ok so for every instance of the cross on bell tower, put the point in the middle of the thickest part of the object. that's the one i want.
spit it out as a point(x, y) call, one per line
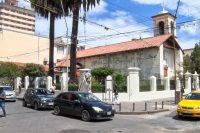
point(164, 23)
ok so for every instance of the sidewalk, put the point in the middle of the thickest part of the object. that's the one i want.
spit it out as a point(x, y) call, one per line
point(145, 107)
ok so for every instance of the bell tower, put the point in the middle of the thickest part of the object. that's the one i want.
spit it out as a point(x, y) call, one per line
point(164, 23)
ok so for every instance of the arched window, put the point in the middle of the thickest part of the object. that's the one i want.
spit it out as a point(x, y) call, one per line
point(172, 27)
point(161, 26)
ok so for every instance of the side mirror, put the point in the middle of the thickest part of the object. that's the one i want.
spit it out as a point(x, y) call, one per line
point(77, 101)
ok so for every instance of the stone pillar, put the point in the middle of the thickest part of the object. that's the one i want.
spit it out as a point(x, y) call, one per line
point(109, 89)
point(196, 80)
point(167, 83)
point(17, 85)
point(85, 83)
point(63, 81)
point(153, 83)
point(36, 82)
point(188, 87)
point(134, 83)
point(26, 82)
point(128, 87)
point(49, 82)
point(178, 84)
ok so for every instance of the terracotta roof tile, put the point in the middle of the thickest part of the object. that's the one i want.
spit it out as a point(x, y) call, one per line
point(124, 46)
point(119, 47)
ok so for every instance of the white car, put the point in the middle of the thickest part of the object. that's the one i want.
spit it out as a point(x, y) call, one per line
point(10, 93)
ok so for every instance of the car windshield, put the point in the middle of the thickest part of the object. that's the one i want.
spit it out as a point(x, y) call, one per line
point(6, 88)
point(193, 96)
point(88, 97)
point(42, 92)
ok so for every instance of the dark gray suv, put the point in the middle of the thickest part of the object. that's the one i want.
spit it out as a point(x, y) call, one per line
point(38, 98)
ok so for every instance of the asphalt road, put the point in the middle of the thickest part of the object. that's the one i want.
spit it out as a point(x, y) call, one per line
point(27, 120)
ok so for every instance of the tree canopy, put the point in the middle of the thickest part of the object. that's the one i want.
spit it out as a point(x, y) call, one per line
point(10, 71)
point(34, 70)
point(195, 58)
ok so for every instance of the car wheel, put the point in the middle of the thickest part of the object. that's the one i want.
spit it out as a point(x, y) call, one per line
point(56, 110)
point(36, 106)
point(24, 104)
point(180, 116)
point(85, 115)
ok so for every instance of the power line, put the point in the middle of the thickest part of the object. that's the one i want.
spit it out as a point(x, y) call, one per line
point(23, 54)
point(137, 14)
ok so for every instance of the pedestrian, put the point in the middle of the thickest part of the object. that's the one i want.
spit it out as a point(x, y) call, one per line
point(182, 92)
point(115, 96)
point(2, 101)
point(53, 88)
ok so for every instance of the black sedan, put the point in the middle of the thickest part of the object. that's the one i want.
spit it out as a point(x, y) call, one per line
point(82, 104)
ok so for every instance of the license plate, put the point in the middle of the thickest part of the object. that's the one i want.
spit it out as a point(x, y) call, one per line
point(50, 103)
point(186, 111)
point(108, 113)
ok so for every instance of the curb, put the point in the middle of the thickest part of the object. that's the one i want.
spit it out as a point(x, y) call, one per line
point(19, 98)
point(142, 112)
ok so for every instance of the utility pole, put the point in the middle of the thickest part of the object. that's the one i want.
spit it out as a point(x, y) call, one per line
point(177, 93)
point(39, 48)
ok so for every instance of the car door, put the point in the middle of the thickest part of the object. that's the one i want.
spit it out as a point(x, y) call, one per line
point(75, 106)
point(27, 96)
point(64, 103)
point(32, 96)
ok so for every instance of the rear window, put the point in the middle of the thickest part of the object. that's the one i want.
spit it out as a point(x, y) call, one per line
point(42, 92)
point(7, 88)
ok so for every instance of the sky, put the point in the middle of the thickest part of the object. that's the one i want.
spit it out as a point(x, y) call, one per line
point(108, 20)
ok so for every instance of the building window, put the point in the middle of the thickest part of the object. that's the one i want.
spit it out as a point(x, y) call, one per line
point(161, 26)
point(60, 49)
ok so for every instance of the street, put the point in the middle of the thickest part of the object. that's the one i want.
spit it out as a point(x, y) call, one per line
point(27, 120)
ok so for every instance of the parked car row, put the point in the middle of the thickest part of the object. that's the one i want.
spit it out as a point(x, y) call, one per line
point(82, 104)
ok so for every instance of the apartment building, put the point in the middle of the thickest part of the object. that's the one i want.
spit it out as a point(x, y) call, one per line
point(16, 18)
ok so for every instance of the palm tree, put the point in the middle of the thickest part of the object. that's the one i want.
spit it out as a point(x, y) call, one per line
point(47, 9)
point(75, 6)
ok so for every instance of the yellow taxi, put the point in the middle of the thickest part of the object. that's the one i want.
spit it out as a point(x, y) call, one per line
point(190, 105)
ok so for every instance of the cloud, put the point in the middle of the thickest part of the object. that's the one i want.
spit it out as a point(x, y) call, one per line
point(98, 9)
point(171, 4)
point(24, 3)
point(191, 28)
point(187, 43)
point(118, 23)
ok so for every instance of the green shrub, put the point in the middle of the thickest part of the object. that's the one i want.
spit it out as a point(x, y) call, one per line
point(119, 82)
point(160, 87)
point(145, 87)
point(97, 87)
point(58, 86)
point(72, 87)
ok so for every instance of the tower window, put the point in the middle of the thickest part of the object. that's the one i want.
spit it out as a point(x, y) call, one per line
point(161, 26)
point(172, 27)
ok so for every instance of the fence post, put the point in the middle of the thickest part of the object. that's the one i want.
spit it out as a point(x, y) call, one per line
point(156, 105)
point(119, 107)
point(145, 106)
point(133, 107)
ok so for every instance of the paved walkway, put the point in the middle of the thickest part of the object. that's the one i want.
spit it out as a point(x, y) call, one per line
point(151, 106)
